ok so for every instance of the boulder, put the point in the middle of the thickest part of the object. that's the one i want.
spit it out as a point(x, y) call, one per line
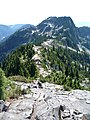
point(40, 84)
point(3, 107)
point(62, 107)
point(86, 117)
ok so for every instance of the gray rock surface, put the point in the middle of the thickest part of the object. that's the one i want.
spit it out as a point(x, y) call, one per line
point(49, 102)
point(3, 106)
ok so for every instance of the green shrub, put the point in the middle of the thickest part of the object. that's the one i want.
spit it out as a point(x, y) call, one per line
point(67, 88)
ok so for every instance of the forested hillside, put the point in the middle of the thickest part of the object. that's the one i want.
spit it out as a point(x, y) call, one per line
point(61, 28)
point(62, 53)
point(69, 68)
point(20, 62)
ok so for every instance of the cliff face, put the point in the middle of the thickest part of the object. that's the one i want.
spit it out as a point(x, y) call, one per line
point(49, 102)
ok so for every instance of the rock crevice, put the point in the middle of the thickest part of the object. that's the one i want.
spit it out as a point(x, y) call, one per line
point(49, 102)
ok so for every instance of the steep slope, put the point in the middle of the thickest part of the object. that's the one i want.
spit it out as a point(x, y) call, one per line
point(21, 37)
point(4, 31)
point(61, 57)
point(15, 27)
point(84, 34)
point(55, 63)
point(62, 29)
point(20, 62)
point(7, 30)
point(68, 67)
point(18, 38)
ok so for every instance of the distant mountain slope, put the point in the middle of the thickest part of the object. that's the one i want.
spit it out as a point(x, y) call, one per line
point(55, 25)
point(15, 27)
point(22, 36)
point(61, 28)
point(4, 31)
point(7, 30)
point(84, 33)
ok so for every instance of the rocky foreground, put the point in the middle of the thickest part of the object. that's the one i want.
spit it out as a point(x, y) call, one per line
point(47, 102)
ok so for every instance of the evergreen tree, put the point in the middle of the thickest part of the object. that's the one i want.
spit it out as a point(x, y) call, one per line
point(2, 80)
point(66, 71)
point(20, 63)
point(77, 74)
point(33, 69)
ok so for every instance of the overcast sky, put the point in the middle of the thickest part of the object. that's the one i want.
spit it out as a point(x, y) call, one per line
point(34, 11)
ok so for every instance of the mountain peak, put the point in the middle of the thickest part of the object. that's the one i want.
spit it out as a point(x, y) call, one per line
point(53, 26)
point(55, 18)
point(58, 21)
point(61, 28)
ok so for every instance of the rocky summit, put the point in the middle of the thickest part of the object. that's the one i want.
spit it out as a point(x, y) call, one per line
point(47, 102)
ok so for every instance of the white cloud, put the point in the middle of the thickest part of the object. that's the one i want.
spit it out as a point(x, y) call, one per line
point(34, 11)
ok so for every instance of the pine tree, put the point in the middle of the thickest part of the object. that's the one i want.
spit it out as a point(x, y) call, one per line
point(33, 69)
point(77, 74)
point(66, 71)
point(2, 80)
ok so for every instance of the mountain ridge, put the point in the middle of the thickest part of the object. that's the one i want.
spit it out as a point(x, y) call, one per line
point(61, 28)
point(47, 69)
point(7, 30)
